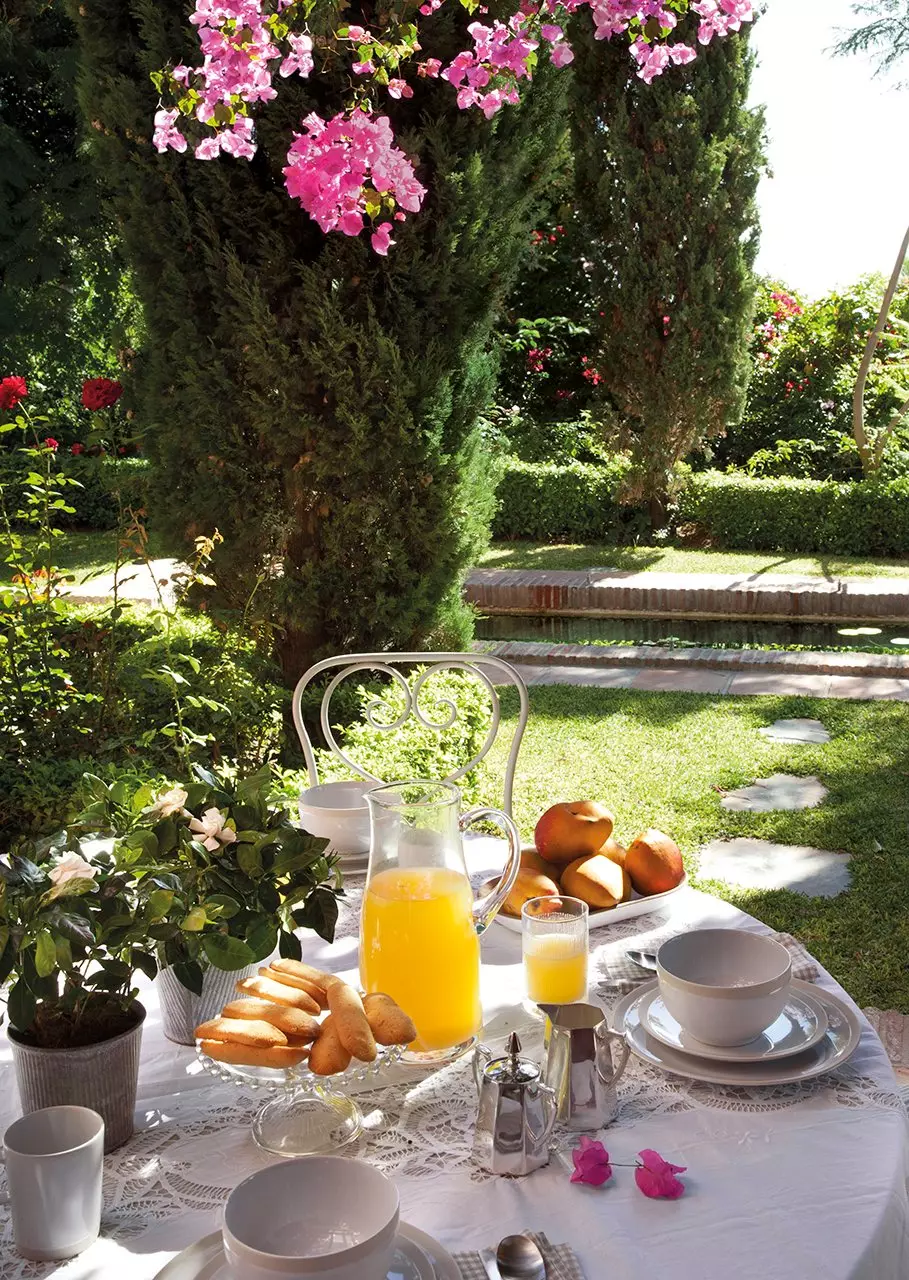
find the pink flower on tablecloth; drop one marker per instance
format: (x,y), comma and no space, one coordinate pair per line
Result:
(591,1163)
(656,1176)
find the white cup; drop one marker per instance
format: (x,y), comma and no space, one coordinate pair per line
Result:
(54,1162)
(328,1216)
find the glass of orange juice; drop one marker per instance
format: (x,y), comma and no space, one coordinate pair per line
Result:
(420,925)
(554,943)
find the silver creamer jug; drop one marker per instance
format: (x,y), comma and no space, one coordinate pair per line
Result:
(516,1113)
(578,1064)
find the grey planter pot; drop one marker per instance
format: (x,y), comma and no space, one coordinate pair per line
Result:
(182,1011)
(102,1076)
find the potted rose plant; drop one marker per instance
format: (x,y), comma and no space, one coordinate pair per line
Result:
(73,932)
(229,876)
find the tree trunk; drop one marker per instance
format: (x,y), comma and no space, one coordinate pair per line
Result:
(872,452)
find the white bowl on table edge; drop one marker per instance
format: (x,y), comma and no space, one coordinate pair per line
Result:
(724,986)
(326,1216)
(337,811)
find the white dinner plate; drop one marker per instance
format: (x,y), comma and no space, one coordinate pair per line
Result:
(837,1044)
(801,1024)
(417,1257)
(635,906)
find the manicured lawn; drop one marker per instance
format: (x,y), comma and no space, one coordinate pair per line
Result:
(657,759)
(532,555)
(89,554)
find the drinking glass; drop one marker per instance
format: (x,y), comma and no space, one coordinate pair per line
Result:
(554,943)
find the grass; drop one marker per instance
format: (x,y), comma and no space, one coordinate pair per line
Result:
(89,554)
(532,555)
(661,760)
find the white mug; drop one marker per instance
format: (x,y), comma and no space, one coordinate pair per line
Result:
(54,1163)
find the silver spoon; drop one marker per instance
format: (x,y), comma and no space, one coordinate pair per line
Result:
(520,1259)
(644,959)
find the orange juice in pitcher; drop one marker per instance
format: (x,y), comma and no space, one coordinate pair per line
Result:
(420,927)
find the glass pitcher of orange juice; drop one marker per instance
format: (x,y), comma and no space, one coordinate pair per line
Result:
(420,927)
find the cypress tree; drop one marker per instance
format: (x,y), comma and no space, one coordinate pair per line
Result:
(666,178)
(316,403)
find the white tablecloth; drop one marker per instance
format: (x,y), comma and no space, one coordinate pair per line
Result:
(787,1185)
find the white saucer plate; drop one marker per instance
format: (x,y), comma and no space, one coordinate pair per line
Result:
(417,1257)
(801,1025)
(635,906)
(834,1048)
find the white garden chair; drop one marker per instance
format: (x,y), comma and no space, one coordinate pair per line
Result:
(442,714)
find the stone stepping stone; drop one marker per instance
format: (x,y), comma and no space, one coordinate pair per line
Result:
(759,864)
(781,791)
(795,731)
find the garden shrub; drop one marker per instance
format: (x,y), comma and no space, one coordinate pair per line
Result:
(95,502)
(546,501)
(412,751)
(785,514)
(806,355)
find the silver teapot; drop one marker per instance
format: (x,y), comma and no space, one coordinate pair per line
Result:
(516,1114)
(578,1065)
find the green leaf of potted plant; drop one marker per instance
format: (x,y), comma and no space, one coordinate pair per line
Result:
(73,932)
(228,878)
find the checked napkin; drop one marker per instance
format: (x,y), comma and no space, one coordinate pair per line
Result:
(561,1263)
(619,974)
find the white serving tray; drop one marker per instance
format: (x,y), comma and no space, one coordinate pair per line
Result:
(635,906)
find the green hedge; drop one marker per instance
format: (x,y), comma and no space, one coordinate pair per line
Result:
(95,502)
(737,511)
(545,501)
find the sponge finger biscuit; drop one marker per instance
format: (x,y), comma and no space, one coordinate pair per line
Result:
(295,1024)
(247,1055)
(262,1035)
(301,984)
(278,993)
(351,1022)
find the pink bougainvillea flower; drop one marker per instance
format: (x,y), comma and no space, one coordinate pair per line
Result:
(591,1163)
(656,1176)
(381,238)
(100,393)
(399,89)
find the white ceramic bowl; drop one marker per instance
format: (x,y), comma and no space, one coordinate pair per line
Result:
(326,1216)
(337,811)
(724,986)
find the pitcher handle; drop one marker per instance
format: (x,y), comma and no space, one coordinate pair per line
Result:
(485,909)
(624,1053)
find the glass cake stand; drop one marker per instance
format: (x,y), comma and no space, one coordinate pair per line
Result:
(307,1115)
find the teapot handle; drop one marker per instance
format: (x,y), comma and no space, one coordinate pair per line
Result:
(485,909)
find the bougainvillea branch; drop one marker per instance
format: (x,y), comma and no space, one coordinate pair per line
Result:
(347,172)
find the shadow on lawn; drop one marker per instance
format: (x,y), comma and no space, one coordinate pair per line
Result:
(529,555)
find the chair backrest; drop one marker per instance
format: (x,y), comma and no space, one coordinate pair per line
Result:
(478,666)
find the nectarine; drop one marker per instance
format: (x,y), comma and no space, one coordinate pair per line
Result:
(570,830)
(654,862)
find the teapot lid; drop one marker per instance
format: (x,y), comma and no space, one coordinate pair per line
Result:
(512,1069)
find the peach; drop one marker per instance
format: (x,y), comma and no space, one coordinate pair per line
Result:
(598,881)
(529,884)
(569,830)
(654,862)
(614,851)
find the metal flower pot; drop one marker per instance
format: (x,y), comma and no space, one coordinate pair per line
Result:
(182,1011)
(103,1076)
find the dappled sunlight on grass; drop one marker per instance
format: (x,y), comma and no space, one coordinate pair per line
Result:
(530,555)
(663,760)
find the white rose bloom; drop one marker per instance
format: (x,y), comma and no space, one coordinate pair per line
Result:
(70,868)
(169,803)
(211,827)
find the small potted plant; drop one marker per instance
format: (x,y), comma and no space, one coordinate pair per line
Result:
(73,932)
(229,878)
